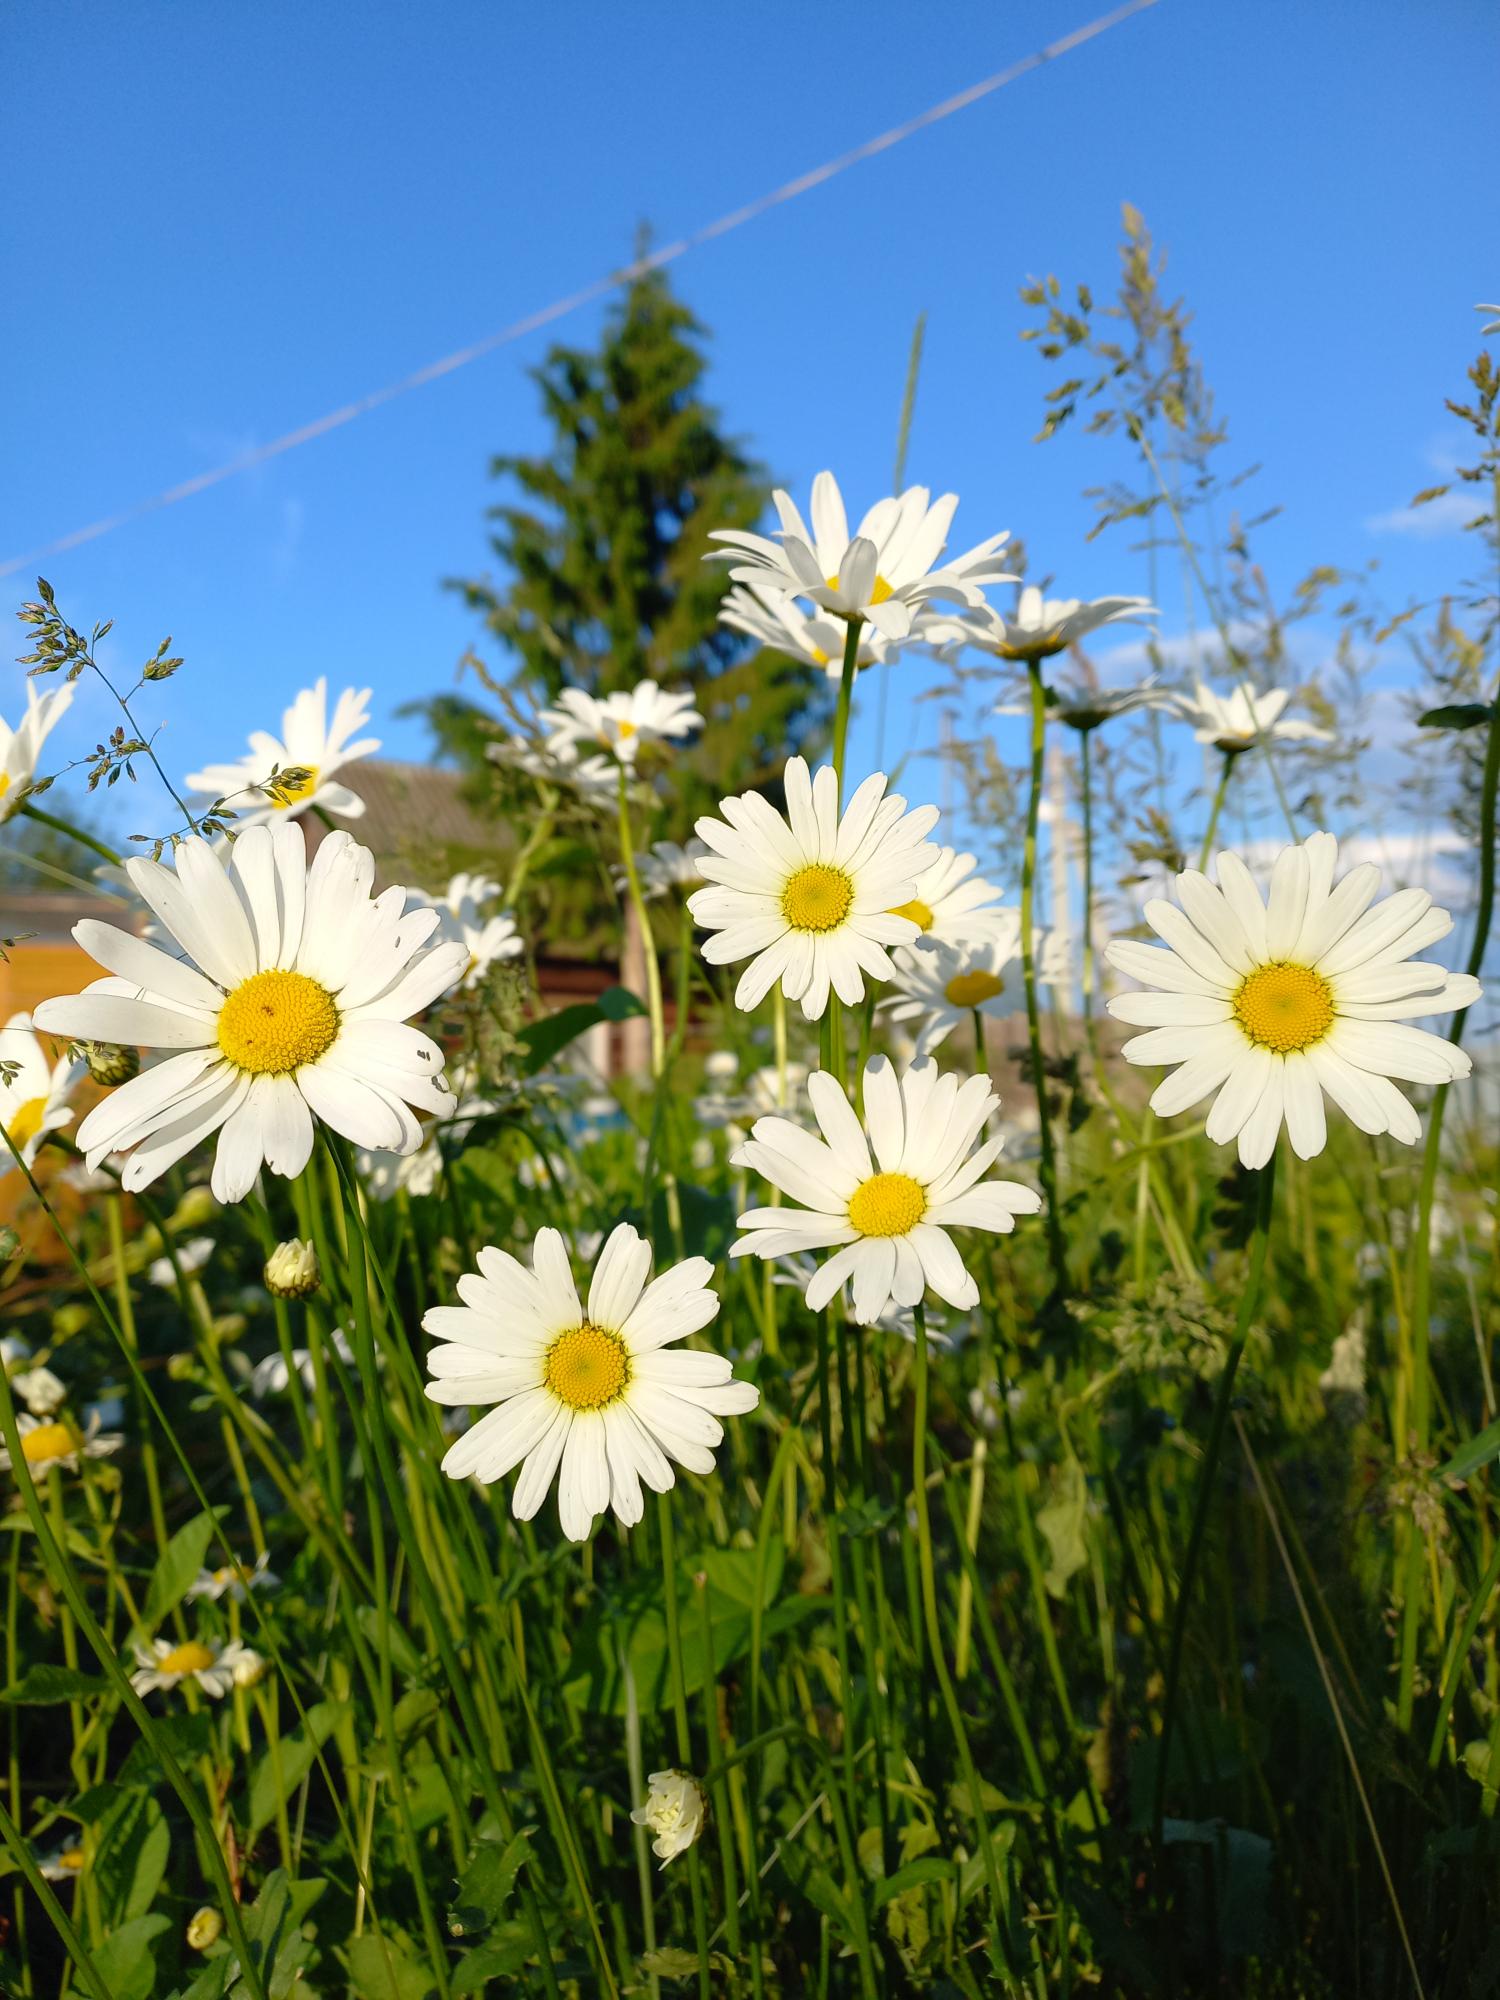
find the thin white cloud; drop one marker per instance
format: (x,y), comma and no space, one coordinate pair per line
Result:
(1449,514)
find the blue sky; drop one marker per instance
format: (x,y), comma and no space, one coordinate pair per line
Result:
(231,220)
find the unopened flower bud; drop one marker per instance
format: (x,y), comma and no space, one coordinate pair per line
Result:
(196,1208)
(674,1811)
(41,1391)
(249,1666)
(293,1270)
(204,1930)
(110,1063)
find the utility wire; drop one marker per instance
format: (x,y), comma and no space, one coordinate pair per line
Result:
(600,287)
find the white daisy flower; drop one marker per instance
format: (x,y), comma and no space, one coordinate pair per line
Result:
(811,899)
(668,866)
(57,1441)
(602,1398)
(950,904)
(888,1217)
(418,1173)
(486,940)
(63,1864)
(1084,705)
(308,742)
(212,1667)
(797,1269)
(941,985)
(1041,626)
(817,638)
(1242,718)
(1271,1004)
(593,780)
(292,1003)
(271,1377)
(621,722)
(674,1811)
(21,747)
(234,1580)
(41,1391)
(34,1091)
(882,573)
(191,1257)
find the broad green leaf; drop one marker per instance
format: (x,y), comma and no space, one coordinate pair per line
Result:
(124,1962)
(1457,715)
(135,1846)
(176,1567)
(278,1776)
(932,1868)
(40,1686)
(485,1885)
(497,1958)
(380,1969)
(186,1737)
(1481,1448)
(541,1040)
(1061,1523)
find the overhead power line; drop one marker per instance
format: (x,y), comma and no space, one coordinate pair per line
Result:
(669,253)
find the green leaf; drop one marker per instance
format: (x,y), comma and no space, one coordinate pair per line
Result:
(485,1885)
(176,1567)
(134,1849)
(1061,1523)
(186,1737)
(274,1782)
(932,1868)
(1481,1448)
(541,1040)
(670,1962)
(497,1958)
(380,1970)
(124,1960)
(40,1686)
(1457,715)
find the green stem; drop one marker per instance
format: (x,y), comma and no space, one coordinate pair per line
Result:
(684,1733)
(1204,1492)
(72,832)
(1214,810)
(1056,1247)
(845,699)
(936,1648)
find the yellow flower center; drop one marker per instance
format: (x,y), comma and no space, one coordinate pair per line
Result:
(4,783)
(274,1022)
(47,1441)
(822,658)
(626,730)
(587,1367)
(284,795)
(887,1205)
(27,1121)
(1285,1007)
(972,989)
(71,1858)
(878,595)
(919,912)
(817,898)
(191,1657)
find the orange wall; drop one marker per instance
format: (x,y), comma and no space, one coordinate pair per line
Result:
(35,972)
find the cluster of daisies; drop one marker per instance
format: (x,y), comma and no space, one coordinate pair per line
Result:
(278,991)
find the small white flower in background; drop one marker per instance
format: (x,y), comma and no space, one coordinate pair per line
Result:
(41,1391)
(213,1668)
(386,1174)
(601,1398)
(594,781)
(34,1092)
(811,898)
(941,985)
(668,866)
(271,1377)
(1042,626)
(191,1257)
(817,638)
(292,1004)
(797,1269)
(1084,705)
(292,1270)
(950,904)
(719,1065)
(1242,718)
(13,1349)
(309,742)
(1345,1373)
(674,1813)
(883,573)
(63,1864)
(487,939)
(1267,1006)
(886,1217)
(621,722)
(1494,325)
(21,747)
(234,1580)
(57,1441)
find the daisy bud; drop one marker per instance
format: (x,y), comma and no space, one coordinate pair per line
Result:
(293,1270)
(194,1211)
(675,1810)
(249,1667)
(204,1929)
(41,1392)
(110,1063)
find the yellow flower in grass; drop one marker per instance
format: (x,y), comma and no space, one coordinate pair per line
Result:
(212,1667)
(57,1441)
